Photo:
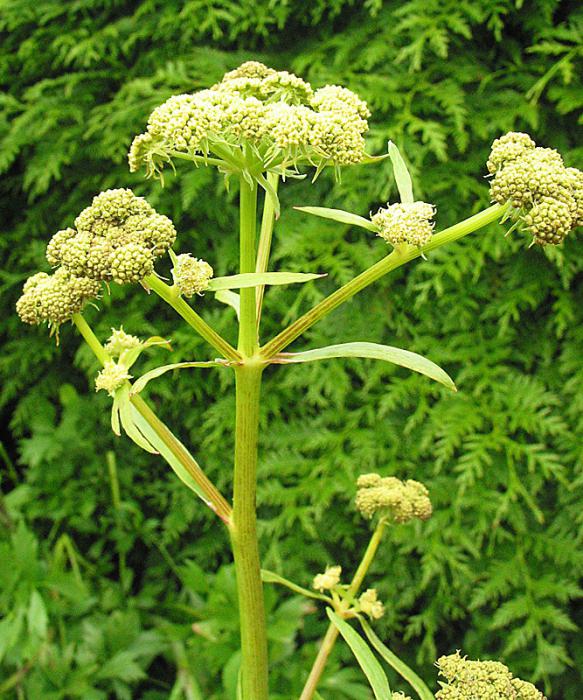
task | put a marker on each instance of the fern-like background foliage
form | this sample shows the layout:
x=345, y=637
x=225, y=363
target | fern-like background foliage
x=104, y=583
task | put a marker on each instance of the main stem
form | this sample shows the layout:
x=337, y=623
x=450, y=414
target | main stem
x=254, y=665
x=332, y=631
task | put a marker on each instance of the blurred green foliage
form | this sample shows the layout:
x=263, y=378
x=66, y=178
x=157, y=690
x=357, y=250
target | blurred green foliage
x=115, y=583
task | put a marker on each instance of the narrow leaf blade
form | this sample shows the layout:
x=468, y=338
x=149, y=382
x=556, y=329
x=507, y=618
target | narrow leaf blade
x=371, y=667
x=375, y=351
x=400, y=666
x=128, y=423
x=344, y=217
x=272, y=577
x=256, y=279
x=232, y=299
x=402, y=176
x=140, y=383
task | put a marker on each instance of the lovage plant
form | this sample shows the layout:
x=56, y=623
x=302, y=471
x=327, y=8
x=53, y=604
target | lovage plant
x=261, y=127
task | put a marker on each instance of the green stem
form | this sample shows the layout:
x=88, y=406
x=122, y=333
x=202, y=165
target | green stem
x=169, y=295
x=247, y=234
x=244, y=536
x=265, y=236
x=332, y=632
x=215, y=498
x=392, y=261
x=254, y=663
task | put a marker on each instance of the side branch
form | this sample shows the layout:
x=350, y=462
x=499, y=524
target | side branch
x=395, y=259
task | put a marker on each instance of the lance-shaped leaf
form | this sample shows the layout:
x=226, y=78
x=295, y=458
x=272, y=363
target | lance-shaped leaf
x=129, y=357
x=127, y=420
x=271, y=577
x=232, y=299
x=374, y=351
x=168, y=455
x=400, y=666
x=366, y=659
x=256, y=279
x=344, y=217
x=140, y=383
x=402, y=176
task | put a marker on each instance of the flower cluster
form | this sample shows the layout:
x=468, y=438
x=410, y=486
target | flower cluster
x=120, y=341
x=545, y=195
x=191, y=275
x=117, y=238
x=275, y=112
x=328, y=580
x=370, y=604
x=54, y=298
x=111, y=377
x=405, y=223
x=487, y=680
x=401, y=696
x=399, y=501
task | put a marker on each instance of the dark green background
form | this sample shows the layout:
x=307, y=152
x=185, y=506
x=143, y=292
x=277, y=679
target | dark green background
x=99, y=592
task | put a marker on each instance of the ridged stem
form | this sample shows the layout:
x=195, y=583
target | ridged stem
x=265, y=236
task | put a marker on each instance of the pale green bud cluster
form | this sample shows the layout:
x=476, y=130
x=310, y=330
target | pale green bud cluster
x=191, y=275
x=486, y=680
x=405, y=223
x=119, y=341
x=111, y=377
x=545, y=195
x=328, y=580
x=399, y=501
x=274, y=111
x=117, y=238
x=54, y=298
x=370, y=604
x=401, y=696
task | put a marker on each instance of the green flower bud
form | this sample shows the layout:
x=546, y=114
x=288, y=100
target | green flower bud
x=249, y=69
x=119, y=341
x=337, y=136
x=549, y=220
x=576, y=185
x=54, y=298
x=370, y=605
x=328, y=580
x=191, y=275
x=399, y=501
x=333, y=98
x=401, y=696
x=55, y=245
x=405, y=223
x=507, y=148
x=487, y=680
x=131, y=263
x=111, y=377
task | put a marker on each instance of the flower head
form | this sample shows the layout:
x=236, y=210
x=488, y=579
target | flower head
x=544, y=196
x=399, y=501
x=191, y=275
x=276, y=112
x=328, y=580
x=370, y=605
x=111, y=377
x=54, y=298
x=487, y=680
x=401, y=696
x=120, y=341
x=405, y=223
x=117, y=238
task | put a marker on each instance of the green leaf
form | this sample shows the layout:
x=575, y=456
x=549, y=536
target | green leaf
x=271, y=577
x=375, y=351
x=140, y=383
x=402, y=176
x=167, y=454
x=344, y=217
x=128, y=420
x=37, y=617
x=232, y=299
x=371, y=667
x=400, y=666
x=256, y=279
x=115, y=425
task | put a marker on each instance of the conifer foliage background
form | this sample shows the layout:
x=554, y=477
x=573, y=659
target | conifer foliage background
x=114, y=582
